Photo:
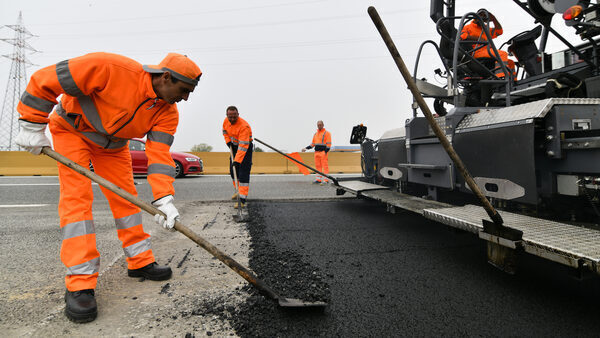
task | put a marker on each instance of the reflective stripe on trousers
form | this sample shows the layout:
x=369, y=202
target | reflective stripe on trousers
x=322, y=165
x=244, y=174
x=78, y=250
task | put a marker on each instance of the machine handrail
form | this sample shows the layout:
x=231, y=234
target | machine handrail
x=507, y=75
x=437, y=48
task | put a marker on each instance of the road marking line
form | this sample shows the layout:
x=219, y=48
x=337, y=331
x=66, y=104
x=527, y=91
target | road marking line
x=22, y=205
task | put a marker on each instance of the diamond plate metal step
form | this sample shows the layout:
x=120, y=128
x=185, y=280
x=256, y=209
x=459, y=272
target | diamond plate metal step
x=560, y=242
x=567, y=244
x=403, y=201
x=360, y=186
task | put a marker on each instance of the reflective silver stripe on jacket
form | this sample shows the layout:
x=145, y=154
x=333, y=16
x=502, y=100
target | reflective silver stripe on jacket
x=90, y=267
x=129, y=221
x=101, y=138
x=90, y=111
x=159, y=168
x=97, y=138
x=160, y=136
x=37, y=102
x=243, y=148
x=76, y=229
x=243, y=196
x=244, y=184
x=66, y=80
x=137, y=248
x=244, y=142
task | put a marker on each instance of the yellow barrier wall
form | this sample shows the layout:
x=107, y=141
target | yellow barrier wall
x=22, y=163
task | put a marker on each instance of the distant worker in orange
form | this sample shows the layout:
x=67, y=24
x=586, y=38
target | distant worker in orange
x=322, y=143
x=238, y=136
x=106, y=100
x=474, y=32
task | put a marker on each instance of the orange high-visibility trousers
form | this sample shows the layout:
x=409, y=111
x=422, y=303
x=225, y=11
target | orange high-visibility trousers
x=78, y=250
x=322, y=165
x=244, y=174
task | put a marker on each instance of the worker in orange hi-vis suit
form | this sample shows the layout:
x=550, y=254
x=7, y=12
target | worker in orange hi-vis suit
x=322, y=143
x=474, y=32
x=238, y=136
x=106, y=100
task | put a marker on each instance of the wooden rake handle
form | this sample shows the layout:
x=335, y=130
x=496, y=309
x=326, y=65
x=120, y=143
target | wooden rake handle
x=152, y=210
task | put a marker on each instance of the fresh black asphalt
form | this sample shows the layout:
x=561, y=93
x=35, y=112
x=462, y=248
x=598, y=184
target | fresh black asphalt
x=398, y=275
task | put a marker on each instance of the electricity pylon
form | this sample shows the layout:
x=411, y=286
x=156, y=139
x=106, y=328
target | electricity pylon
x=15, y=86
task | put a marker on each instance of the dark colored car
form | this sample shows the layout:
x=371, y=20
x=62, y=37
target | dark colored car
x=184, y=163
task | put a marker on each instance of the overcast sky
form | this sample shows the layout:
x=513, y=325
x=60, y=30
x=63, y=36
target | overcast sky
x=284, y=64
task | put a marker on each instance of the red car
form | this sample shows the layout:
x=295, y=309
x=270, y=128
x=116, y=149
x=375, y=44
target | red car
x=184, y=163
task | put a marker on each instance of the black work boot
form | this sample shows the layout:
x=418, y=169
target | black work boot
x=152, y=271
x=81, y=306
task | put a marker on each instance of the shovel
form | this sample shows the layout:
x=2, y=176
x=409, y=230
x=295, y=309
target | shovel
x=213, y=250
x=237, y=188
x=333, y=179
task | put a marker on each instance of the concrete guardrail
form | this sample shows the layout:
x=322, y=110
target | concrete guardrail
x=22, y=163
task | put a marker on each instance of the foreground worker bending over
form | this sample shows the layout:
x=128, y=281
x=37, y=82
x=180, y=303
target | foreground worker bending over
x=322, y=143
x=106, y=100
x=238, y=136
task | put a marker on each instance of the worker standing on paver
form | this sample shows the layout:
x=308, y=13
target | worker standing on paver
x=238, y=136
x=322, y=143
x=106, y=100
x=474, y=32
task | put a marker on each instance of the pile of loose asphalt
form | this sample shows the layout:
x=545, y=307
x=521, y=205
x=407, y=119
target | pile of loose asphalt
x=286, y=272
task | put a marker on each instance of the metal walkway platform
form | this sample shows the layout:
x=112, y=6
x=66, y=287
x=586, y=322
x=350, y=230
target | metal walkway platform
x=391, y=198
x=567, y=244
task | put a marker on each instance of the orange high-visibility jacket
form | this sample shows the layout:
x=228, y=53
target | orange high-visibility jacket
x=240, y=134
x=474, y=32
x=108, y=99
x=321, y=140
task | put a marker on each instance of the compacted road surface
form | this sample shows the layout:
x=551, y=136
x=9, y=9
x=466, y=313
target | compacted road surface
x=381, y=274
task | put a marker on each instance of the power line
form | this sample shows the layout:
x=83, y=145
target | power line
x=276, y=45
x=179, y=15
x=163, y=31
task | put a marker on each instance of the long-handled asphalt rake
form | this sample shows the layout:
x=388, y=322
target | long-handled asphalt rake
x=236, y=184
x=213, y=250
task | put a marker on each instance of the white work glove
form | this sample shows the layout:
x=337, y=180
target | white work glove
x=32, y=136
x=165, y=204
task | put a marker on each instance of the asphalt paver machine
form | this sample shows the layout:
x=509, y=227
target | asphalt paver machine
x=529, y=135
